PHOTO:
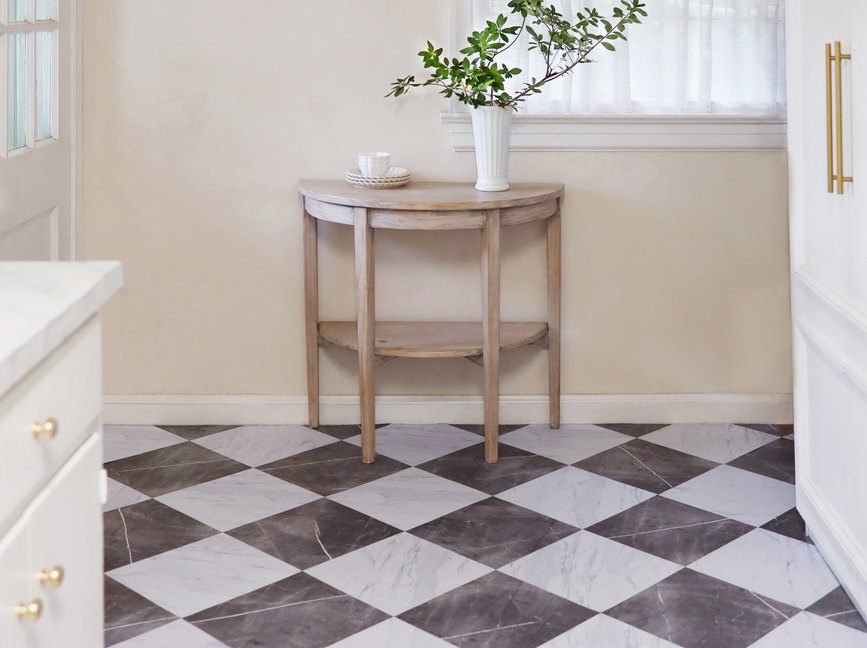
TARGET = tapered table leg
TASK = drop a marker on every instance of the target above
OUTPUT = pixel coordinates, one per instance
(491, 331)
(364, 278)
(554, 319)
(311, 316)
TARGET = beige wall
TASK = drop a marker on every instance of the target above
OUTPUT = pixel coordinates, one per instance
(200, 116)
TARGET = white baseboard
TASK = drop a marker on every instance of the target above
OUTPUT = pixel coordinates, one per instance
(608, 408)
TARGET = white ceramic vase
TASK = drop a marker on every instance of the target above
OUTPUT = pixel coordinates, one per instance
(492, 129)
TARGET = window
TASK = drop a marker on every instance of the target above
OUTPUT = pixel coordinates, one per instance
(706, 74)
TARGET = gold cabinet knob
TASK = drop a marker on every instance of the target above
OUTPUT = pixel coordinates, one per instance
(31, 611)
(46, 429)
(51, 577)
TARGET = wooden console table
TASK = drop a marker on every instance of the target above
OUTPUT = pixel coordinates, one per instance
(429, 206)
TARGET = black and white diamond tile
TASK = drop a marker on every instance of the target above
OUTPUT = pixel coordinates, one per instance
(620, 536)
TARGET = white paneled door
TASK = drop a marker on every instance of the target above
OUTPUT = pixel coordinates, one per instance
(827, 67)
(39, 65)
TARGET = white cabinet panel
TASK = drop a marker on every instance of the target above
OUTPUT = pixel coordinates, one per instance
(16, 588)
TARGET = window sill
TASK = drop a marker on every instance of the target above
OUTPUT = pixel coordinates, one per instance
(631, 133)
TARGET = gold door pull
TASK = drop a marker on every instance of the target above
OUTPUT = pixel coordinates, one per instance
(46, 429)
(51, 577)
(30, 611)
(834, 108)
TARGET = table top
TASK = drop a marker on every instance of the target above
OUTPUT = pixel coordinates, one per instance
(429, 196)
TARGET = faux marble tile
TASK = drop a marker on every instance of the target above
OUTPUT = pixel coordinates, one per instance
(192, 432)
(313, 533)
(493, 532)
(128, 614)
(238, 499)
(392, 633)
(738, 494)
(789, 524)
(202, 574)
(497, 610)
(696, 611)
(806, 630)
(341, 431)
(256, 445)
(568, 444)
(416, 444)
(169, 469)
(671, 530)
(590, 570)
(408, 498)
(178, 633)
(120, 495)
(480, 429)
(776, 459)
(772, 565)
(837, 606)
(143, 530)
(714, 442)
(575, 496)
(295, 611)
(121, 441)
(398, 573)
(331, 469)
(634, 429)
(778, 429)
(604, 632)
(468, 467)
(647, 465)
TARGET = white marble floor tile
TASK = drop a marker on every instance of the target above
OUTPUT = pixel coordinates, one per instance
(807, 630)
(568, 444)
(575, 496)
(408, 498)
(176, 634)
(715, 442)
(774, 565)
(120, 495)
(202, 574)
(738, 494)
(790, 437)
(256, 445)
(416, 444)
(122, 441)
(398, 573)
(604, 632)
(231, 501)
(590, 570)
(393, 633)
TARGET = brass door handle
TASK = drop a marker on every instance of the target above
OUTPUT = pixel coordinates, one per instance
(46, 429)
(51, 577)
(30, 611)
(834, 125)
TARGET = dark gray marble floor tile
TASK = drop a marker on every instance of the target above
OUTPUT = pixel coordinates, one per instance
(494, 532)
(497, 610)
(634, 429)
(780, 429)
(343, 431)
(296, 612)
(169, 469)
(468, 467)
(776, 460)
(696, 611)
(789, 524)
(647, 465)
(332, 468)
(193, 432)
(480, 429)
(313, 533)
(671, 530)
(837, 606)
(145, 529)
(128, 614)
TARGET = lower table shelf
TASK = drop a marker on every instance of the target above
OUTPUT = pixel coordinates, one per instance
(432, 339)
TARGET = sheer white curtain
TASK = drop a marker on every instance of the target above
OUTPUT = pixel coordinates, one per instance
(688, 57)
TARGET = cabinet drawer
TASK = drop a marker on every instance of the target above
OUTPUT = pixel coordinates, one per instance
(16, 587)
(66, 387)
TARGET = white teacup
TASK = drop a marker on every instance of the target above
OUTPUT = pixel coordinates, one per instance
(374, 165)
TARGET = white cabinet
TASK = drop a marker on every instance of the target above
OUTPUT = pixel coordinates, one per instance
(16, 586)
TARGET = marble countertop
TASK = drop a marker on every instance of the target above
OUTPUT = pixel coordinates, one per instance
(41, 304)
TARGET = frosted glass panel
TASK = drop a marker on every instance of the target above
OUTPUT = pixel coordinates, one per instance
(15, 136)
(45, 99)
(44, 9)
(17, 10)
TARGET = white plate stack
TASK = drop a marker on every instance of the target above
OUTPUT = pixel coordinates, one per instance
(393, 178)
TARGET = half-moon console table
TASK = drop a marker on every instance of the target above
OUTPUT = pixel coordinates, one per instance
(429, 206)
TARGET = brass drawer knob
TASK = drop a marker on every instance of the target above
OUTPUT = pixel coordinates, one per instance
(51, 577)
(46, 429)
(31, 611)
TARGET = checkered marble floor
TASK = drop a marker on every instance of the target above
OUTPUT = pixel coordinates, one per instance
(614, 536)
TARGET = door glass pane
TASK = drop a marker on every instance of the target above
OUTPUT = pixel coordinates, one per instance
(45, 96)
(17, 10)
(44, 9)
(17, 91)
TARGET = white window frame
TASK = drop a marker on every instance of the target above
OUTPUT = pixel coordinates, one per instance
(615, 132)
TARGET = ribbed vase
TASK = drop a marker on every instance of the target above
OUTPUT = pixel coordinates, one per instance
(492, 129)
